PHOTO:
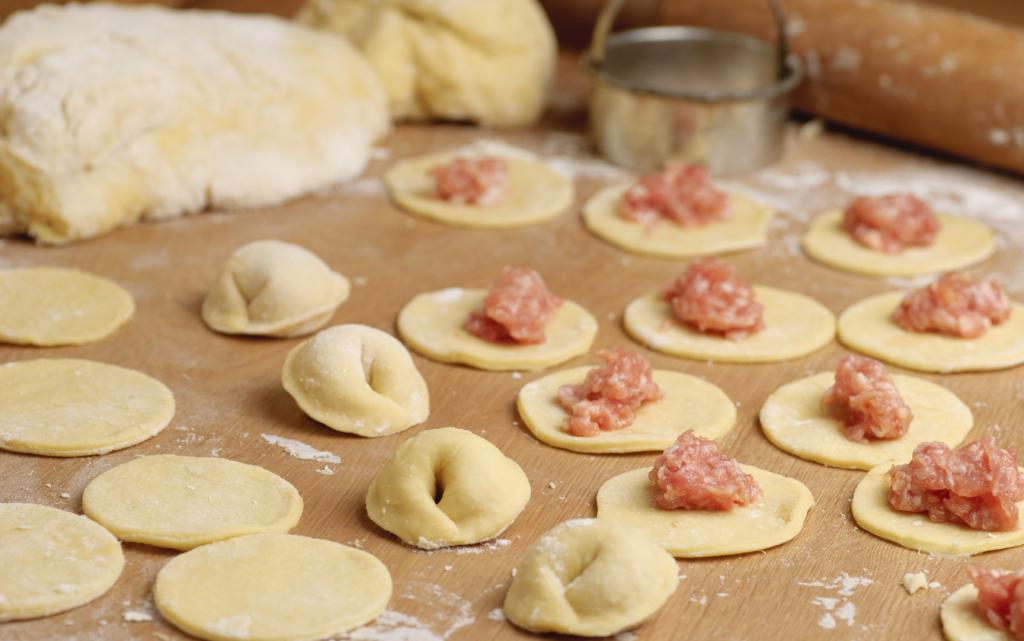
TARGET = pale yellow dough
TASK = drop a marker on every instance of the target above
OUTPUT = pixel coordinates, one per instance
(357, 379)
(271, 587)
(48, 306)
(53, 561)
(959, 243)
(431, 324)
(182, 502)
(688, 403)
(778, 517)
(745, 229)
(795, 325)
(867, 327)
(447, 487)
(914, 531)
(590, 578)
(793, 419)
(72, 407)
(962, 621)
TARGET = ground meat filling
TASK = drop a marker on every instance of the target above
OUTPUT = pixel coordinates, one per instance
(954, 305)
(978, 484)
(609, 397)
(711, 298)
(1000, 598)
(471, 181)
(694, 475)
(866, 401)
(516, 309)
(681, 194)
(891, 223)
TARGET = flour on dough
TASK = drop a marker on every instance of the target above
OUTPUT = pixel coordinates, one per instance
(962, 620)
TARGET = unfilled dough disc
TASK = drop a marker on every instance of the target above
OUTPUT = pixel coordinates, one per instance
(961, 620)
(73, 407)
(431, 324)
(959, 243)
(184, 501)
(48, 306)
(54, 561)
(626, 499)
(688, 403)
(271, 587)
(867, 327)
(745, 229)
(793, 419)
(795, 325)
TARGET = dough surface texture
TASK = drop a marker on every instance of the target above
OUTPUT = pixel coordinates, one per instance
(961, 620)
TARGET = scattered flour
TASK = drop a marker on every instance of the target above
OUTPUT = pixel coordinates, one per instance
(497, 614)
(301, 450)
(839, 607)
(626, 636)
(136, 616)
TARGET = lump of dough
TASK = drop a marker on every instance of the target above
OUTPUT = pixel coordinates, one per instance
(590, 578)
(114, 114)
(489, 62)
(445, 487)
(272, 288)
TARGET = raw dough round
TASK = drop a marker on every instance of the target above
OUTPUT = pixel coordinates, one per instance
(446, 487)
(746, 228)
(54, 561)
(590, 578)
(795, 325)
(73, 407)
(961, 620)
(271, 587)
(357, 379)
(271, 288)
(182, 502)
(867, 327)
(431, 324)
(777, 518)
(689, 403)
(914, 531)
(959, 243)
(793, 420)
(48, 306)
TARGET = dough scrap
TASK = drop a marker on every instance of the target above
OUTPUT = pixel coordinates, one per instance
(689, 403)
(795, 325)
(182, 502)
(794, 421)
(445, 487)
(271, 587)
(54, 561)
(73, 407)
(867, 327)
(357, 379)
(779, 516)
(590, 578)
(431, 324)
(271, 288)
(48, 306)
(961, 620)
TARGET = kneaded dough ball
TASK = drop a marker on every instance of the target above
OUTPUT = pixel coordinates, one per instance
(489, 62)
(590, 578)
(272, 288)
(357, 379)
(447, 487)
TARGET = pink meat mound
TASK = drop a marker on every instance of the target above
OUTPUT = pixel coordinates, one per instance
(694, 475)
(681, 194)
(471, 181)
(866, 401)
(1000, 598)
(710, 297)
(608, 398)
(516, 309)
(891, 223)
(954, 305)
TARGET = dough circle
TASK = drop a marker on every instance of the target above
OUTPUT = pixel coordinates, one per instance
(73, 407)
(688, 403)
(272, 288)
(48, 306)
(271, 587)
(357, 379)
(55, 561)
(745, 229)
(794, 421)
(445, 487)
(961, 620)
(182, 502)
(867, 327)
(431, 324)
(777, 518)
(590, 578)
(959, 243)
(795, 325)
(914, 531)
